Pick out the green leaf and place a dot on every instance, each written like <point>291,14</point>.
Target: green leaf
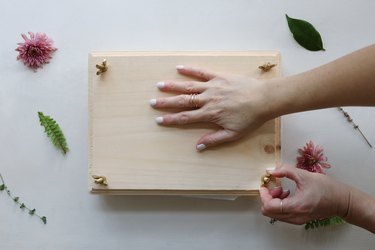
<point>324,222</point>
<point>2,187</point>
<point>22,205</point>
<point>305,34</point>
<point>16,199</point>
<point>32,211</point>
<point>44,219</point>
<point>53,131</point>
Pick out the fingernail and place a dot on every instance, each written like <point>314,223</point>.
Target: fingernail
<point>180,67</point>
<point>159,120</point>
<point>274,188</point>
<point>270,169</point>
<point>152,102</point>
<point>160,85</point>
<point>201,147</point>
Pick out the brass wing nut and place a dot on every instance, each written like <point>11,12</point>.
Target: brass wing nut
<point>267,67</point>
<point>100,179</point>
<point>265,179</point>
<point>102,67</point>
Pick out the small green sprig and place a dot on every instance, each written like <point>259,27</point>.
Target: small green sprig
<point>22,205</point>
<point>53,131</point>
<point>324,222</point>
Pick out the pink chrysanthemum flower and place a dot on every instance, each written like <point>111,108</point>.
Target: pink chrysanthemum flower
<point>36,50</point>
<point>312,158</point>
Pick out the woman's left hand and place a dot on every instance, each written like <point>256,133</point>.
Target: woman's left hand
<point>238,104</point>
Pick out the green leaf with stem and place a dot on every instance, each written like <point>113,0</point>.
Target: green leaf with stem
<point>305,34</point>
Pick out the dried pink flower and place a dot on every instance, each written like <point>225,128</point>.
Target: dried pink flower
<point>312,158</point>
<point>36,50</point>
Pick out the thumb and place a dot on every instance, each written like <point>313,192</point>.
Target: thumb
<point>216,138</point>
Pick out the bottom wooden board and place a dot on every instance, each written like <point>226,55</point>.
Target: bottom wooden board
<point>139,157</point>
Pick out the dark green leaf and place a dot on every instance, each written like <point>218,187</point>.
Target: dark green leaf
<point>305,34</point>
<point>32,211</point>
<point>44,219</point>
<point>16,199</point>
<point>22,205</point>
<point>2,187</point>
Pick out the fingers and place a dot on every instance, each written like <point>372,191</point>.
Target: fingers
<point>288,172</point>
<point>199,73</point>
<point>274,204</point>
<point>185,117</point>
<point>216,138</point>
<point>180,101</point>
<point>189,87</point>
<point>278,192</point>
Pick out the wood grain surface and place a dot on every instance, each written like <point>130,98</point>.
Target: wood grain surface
<point>137,156</point>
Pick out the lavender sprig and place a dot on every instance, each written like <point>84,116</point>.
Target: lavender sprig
<point>355,126</point>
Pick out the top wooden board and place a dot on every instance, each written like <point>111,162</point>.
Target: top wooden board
<point>137,156</point>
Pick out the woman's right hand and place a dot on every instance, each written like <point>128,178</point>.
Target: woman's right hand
<point>317,196</point>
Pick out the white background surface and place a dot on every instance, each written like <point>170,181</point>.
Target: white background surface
<point>57,185</point>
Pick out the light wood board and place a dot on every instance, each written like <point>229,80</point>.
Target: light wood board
<point>137,156</point>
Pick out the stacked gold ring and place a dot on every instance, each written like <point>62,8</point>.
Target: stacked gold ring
<point>193,101</point>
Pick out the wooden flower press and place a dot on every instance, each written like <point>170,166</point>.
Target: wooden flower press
<point>130,154</point>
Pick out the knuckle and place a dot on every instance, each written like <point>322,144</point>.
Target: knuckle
<point>171,85</point>
<point>210,140</point>
<point>161,102</point>
<point>183,118</point>
<point>189,87</point>
<point>216,99</point>
<point>182,101</point>
<point>214,115</point>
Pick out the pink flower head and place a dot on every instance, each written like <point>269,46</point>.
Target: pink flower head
<point>312,158</point>
<point>36,50</point>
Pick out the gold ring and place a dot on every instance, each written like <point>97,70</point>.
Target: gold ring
<point>281,205</point>
<point>193,101</point>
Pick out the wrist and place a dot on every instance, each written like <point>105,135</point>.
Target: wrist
<point>345,201</point>
<point>278,98</point>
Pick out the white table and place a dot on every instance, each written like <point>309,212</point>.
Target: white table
<point>57,185</point>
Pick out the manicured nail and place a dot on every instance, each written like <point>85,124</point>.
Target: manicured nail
<point>180,67</point>
<point>160,85</point>
<point>270,169</point>
<point>159,120</point>
<point>201,147</point>
<point>152,102</point>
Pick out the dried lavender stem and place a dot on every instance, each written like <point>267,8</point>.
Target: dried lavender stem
<point>355,126</point>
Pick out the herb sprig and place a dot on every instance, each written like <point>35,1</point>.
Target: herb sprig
<point>22,205</point>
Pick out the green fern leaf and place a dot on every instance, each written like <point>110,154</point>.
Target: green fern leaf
<point>53,131</point>
<point>324,222</point>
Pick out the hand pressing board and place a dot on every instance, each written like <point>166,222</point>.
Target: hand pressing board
<point>138,157</point>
